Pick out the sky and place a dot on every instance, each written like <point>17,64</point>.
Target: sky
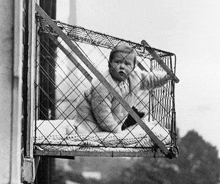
<point>190,29</point>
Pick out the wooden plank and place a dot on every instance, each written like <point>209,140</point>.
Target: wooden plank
<point>74,48</point>
<point>31,78</point>
<point>69,154</point>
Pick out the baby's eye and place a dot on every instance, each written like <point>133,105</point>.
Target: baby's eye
<point>116,61</point>
<point>127,63</point>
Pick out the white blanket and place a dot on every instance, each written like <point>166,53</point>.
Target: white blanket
<point>53,132</point>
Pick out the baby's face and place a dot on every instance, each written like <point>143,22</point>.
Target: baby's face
<point>121,65</point>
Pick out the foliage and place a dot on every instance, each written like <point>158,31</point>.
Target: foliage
<point>61,176</point>
<point>198,163</point>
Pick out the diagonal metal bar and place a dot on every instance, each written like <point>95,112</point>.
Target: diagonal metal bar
<point>72,59</point>
<point>74,48</point>
<point>159,60</point>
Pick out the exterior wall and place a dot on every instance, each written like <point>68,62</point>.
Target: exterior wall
<point>10,99</point>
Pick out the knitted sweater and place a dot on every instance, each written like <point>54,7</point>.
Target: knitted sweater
<point>98,110</point>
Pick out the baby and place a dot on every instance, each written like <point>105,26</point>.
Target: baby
<point>98,110</point>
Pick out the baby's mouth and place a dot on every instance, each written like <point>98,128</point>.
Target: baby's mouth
<point>121,73</point>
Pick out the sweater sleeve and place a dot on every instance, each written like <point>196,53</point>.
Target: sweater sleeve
<point>155,79</point>
<point>101,106</point>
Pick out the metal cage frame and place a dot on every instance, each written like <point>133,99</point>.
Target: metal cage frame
<point>52,32</point>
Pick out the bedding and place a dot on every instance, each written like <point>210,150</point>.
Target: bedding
<point>51,137</point>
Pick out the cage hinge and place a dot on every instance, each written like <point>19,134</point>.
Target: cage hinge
<point>173,152</point>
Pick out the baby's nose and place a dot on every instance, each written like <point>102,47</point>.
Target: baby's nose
<point>122,65</point>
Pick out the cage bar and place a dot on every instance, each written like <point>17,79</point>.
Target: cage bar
<point>66,67</point>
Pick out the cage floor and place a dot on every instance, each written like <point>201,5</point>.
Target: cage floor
<point>51,140</point>
<point>71,151</point>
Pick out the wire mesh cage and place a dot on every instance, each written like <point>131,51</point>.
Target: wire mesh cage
<point>71,67</point>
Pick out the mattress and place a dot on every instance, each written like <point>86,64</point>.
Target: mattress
<point>51,140</point>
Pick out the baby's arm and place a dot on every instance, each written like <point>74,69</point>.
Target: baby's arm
<point>155,79</point>
<point>101,105</point>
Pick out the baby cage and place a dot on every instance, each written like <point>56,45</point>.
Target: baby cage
<point>68,58</point>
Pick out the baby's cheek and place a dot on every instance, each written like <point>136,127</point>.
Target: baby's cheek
<point>129,70</point>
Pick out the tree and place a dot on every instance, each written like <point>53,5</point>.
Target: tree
<point>198,163</point>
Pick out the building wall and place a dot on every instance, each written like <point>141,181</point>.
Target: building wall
<point>6,40</point>
<point>10,131</point>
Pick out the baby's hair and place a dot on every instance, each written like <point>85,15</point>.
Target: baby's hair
<point>124,48</point>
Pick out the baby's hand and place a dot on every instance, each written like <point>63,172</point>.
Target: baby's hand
<point>168,77</point>
<point>172,77</point>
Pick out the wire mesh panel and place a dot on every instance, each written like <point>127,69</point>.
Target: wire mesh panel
<point>81,110</point>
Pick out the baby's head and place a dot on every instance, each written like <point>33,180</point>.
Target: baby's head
<point>122,61</point>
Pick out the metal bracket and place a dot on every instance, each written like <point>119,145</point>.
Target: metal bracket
<point>29,169</point>
<point>173,152</point>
